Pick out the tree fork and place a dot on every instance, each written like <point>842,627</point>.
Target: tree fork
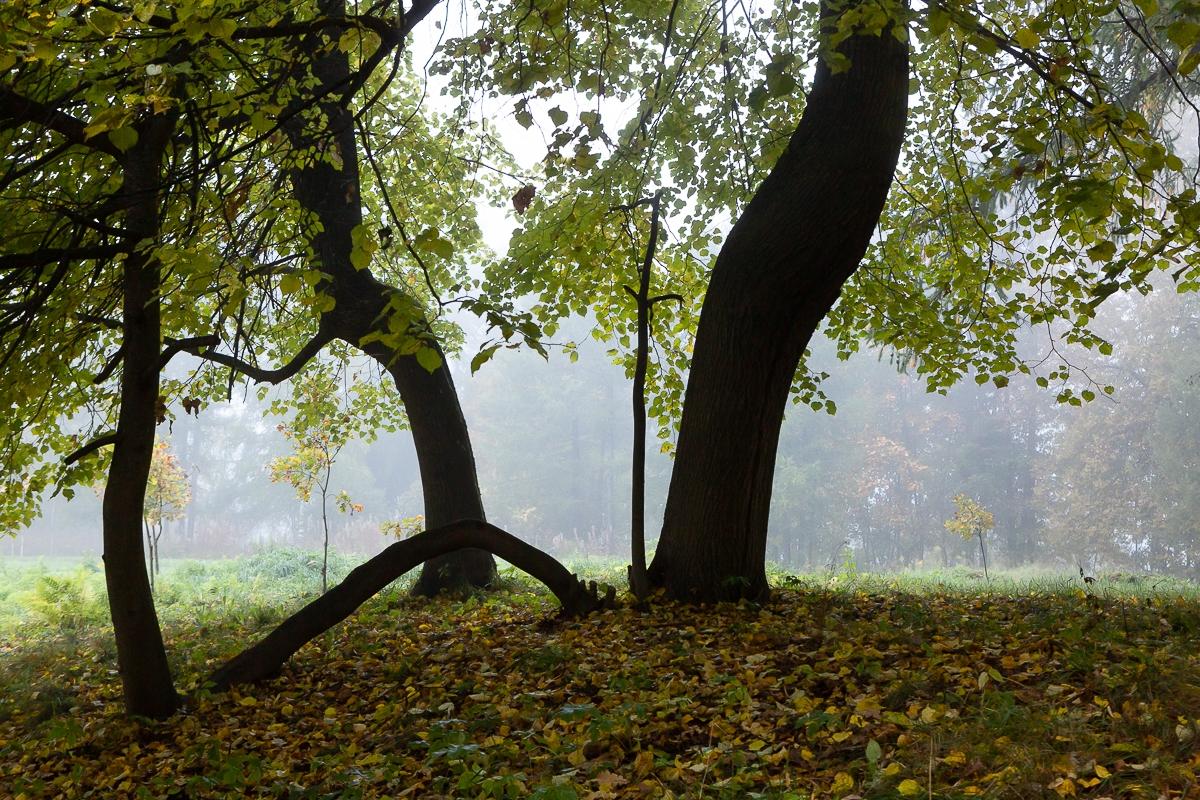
<point>445,458</point>
<point>264,659</point>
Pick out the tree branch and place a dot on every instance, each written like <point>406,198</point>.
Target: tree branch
<point>261,375</point>
<point>103,440</point>
<point>16,109</point>
<point>266,657</point>
<point>110,366</point>
<point>191,344</point>
<point>13,261</point>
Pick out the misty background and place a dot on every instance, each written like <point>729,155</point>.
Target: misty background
<point>1110,485</point>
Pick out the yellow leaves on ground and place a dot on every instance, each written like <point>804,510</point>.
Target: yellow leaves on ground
<point>818,694</point>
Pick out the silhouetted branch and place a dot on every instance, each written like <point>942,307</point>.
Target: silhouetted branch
<point>103,440</point>
<point>261,375</point>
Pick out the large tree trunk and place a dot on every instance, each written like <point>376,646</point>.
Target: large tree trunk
<point>778,274</point>
<point>266,657</point>
<point>141,655</point>
<point>448,476</point>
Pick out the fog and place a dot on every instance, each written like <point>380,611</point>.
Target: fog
<point>1111,485</point>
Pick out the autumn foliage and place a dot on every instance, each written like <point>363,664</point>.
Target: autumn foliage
<point>862,692</point>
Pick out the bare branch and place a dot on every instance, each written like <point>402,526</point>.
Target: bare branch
<point>104,440</point>
<point>190,344</point>
<point>279,375</point>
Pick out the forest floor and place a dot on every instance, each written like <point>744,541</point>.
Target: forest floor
<point>841,686</point>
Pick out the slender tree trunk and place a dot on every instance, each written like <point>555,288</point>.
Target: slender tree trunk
<point>325,529</point>
<point>778,274</point>
<point>638,580</point>
<point>983,557</point>
<point>447,463</point>
<point>141,655</point>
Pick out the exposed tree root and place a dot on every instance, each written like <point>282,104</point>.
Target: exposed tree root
<point>266,657</point>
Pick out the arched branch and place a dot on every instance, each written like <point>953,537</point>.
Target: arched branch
<point>266,657</point>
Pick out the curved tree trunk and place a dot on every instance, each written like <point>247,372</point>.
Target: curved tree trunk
<point>778,274</point>
<point>448,476</point>
<point>266,657</point>
<point>141,655</point>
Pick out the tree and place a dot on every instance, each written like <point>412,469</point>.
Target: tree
<point>1035,140</point>
<point>1020,105</point>
<point>167,497</point>
<point>971,521</point>
<point>321,427</point>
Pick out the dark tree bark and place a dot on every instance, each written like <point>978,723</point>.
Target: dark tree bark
<point>265,658</point>
<point>449,481</point>
<point>778,274</point>
<point>141,655</point>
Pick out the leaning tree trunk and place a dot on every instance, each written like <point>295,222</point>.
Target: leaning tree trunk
<point>141,655</point>
<point>449,481</point>
<point>778,274</point>
<point>264,659</point>
<point>448,475</point>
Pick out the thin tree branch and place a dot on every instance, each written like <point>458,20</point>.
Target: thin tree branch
<point>103,440</point>
<point>279,375</point>
<point>16,109</point>
<point>191,344</point>
<point>110,366</point>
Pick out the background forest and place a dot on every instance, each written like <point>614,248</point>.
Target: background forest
<point>1109,485</point>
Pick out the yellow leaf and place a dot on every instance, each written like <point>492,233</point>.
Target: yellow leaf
<point>1065,788</point>
<point>331,712</point>
<point>909,788</point>
<point>841,736</point>
<point>643,763</point>
<point>1028,38</point>
<point>842,783</point>
<point>248,701</point>
<point>1102,773</point>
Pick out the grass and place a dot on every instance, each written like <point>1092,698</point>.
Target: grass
<point>930,685</point>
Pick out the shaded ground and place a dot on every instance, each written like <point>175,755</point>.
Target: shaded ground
<point>860,690</point>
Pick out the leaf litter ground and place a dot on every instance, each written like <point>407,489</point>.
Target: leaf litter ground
<point>865,692</point>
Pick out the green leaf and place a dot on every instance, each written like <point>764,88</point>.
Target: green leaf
<point>428,358</point>
<point>874,752</point>
<point>558,116</point>
<point>123,138</point>
<point>1103,251</point>
<point>362,247</point>
<point>482,357</point>
<point>431,241</point>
